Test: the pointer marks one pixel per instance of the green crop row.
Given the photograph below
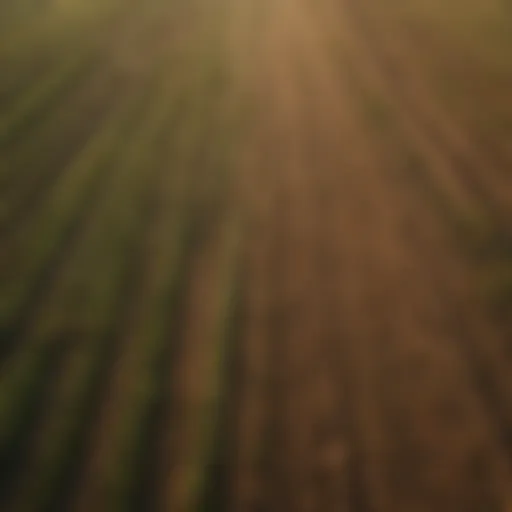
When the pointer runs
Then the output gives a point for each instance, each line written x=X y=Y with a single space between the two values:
x=71 y=49
x=146 y=389
x=36 y=164
x=43 y=95
x=118 y=245
x=48 y=39
x=205 y=492
x=22 y=378
x=154 y=344
x=38 y=243
x=56 y=27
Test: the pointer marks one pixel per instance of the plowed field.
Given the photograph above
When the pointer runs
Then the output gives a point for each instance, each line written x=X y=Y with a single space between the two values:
x=256 y=255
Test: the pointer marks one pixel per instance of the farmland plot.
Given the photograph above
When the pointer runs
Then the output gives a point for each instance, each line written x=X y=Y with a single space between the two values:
x=255 y=255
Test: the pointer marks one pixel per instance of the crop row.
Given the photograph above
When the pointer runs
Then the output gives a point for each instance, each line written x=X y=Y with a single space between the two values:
x=25 y=373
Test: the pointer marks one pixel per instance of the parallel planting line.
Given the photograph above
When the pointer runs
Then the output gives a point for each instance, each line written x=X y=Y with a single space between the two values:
x=33 y=51
x=111 y=277
x=167 y=229
x=275 y=432
x=41 y=246
x=487 y=368
x=486 y=365
x=329 y=253
x=40 y=99
x=125 y=471
x=487 y=382
x=124 y=481
x=465 y=165
x=209 y=485
x=89 y=41
x=24 y=375
x=34 y=166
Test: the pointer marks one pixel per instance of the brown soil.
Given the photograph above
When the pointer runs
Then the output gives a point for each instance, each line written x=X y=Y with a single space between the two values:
x=366 y=343
x=368 y=364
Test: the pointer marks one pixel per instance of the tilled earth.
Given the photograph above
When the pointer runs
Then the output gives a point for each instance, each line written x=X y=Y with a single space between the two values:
x=256 y=256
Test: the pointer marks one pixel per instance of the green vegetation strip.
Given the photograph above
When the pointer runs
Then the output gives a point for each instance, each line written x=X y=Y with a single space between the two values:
x=53 y=134
x=73 y=47
x=38 y=167
x=146 y=388
x=38 y=242
x=44 y=94
x=205 y=478
x=119 y=242
x=101 y=267
x=57 y=28
x=54 y=38
x=123 y=481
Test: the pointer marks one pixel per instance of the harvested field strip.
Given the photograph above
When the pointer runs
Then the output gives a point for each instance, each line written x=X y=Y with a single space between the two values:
x=345 y=460
x=208 y=471
x=469 y=168
x=433 y=56
x=488 y=383
x=253 y=430
x=482 y=233
x=375 y=95
x=439 y=151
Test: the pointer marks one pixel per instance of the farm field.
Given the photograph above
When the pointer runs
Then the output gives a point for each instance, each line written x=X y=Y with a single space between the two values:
x=256 y=255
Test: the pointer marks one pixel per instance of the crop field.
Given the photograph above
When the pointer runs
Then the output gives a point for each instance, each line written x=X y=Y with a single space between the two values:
x=256 y=255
